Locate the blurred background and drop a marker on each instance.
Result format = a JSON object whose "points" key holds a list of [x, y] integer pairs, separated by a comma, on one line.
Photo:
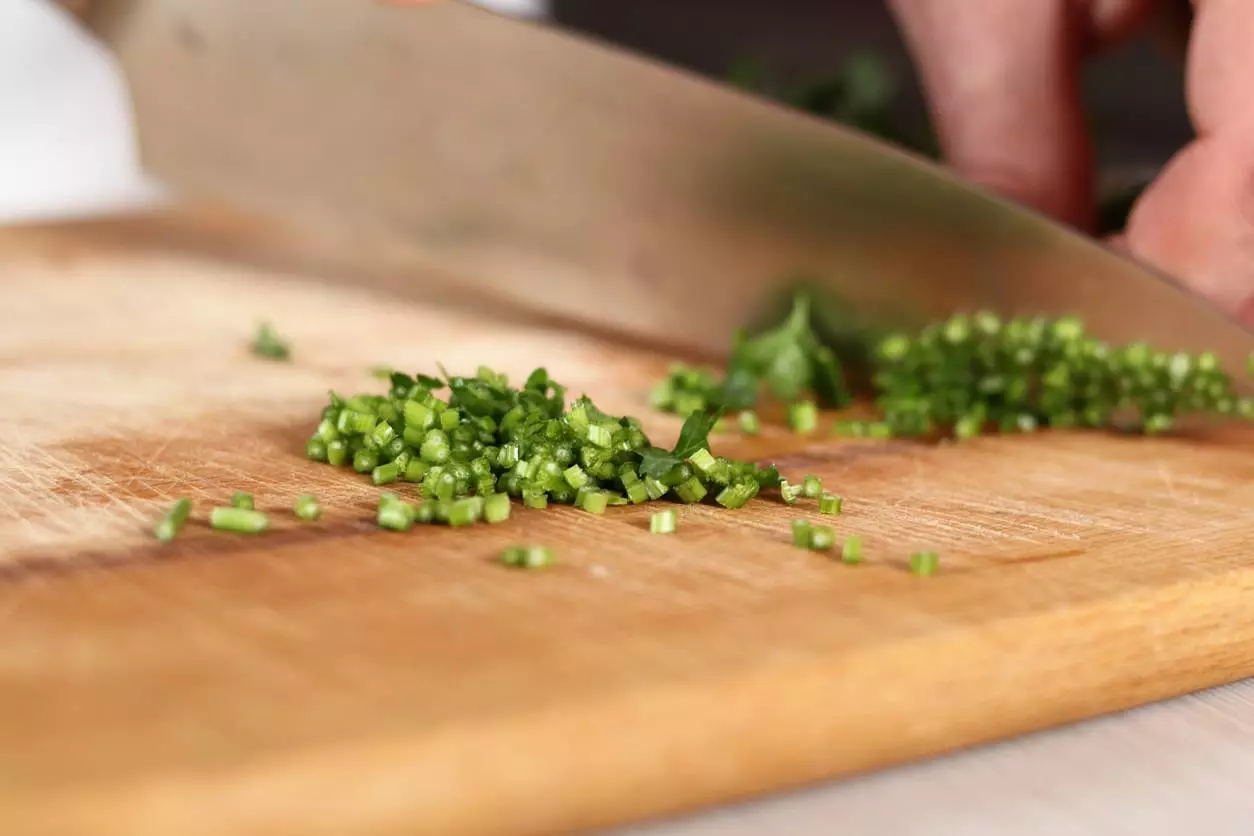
{"points": [[66, 149]]}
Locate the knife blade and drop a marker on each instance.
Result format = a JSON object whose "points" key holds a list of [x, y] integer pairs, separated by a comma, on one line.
{"points": [[467, 155]]}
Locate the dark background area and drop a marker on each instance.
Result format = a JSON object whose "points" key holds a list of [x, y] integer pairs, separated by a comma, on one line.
{"points": [[1134, 93]]}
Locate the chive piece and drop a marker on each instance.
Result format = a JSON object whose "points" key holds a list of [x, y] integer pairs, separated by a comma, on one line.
{"points": [[415, 470], [789, 492], [830, 503], [364, 461], [749, 422], [801, 533], [267, 344], [385, 474], [654, 488], [690, 490], [307, 507], [663, 522], [466, 511], [812, 487], [242, 499], [822, 537], [735, 496], [337, 452], [496, 508], [425, 513], [316, 450], [168, 526], [924, 563], [637, 493], [803, 417], [851, 551], [238, 520], [595, 502], [535, 499], [528, 557], [394, 514], [575, 476], [703, 461]]}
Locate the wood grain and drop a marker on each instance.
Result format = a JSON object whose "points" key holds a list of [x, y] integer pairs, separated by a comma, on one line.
{"points": [[332, 678]]}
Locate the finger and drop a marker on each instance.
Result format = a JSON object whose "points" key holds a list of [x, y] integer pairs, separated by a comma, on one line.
{"points": [[1001, 80], [1197, 219]]}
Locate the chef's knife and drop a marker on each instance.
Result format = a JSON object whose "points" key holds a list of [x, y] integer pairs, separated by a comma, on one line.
{"points": [[471, 155]]}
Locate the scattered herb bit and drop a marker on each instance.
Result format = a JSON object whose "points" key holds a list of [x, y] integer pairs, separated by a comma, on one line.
{"points": [[822, 537], [812, 487], [528, 557], [663, 522], [242, 499], [924, 563], [851, 550], [238, 520], [168, 526], [801, 533], [394, 513], [803, 417], [307, 507], [830, 503], [749, 422], [496, 508], [789, 493], [267, 344]]}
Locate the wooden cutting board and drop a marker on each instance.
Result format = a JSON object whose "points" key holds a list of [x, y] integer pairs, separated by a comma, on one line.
{"points": [[332, 678]]}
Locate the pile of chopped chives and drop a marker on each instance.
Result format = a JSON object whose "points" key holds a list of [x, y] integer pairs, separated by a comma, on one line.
{"points": [[485, 441], [963, 376]]}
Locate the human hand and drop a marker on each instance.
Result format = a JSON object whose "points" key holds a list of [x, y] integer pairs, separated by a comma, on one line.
{"points": [[1002, 82]]}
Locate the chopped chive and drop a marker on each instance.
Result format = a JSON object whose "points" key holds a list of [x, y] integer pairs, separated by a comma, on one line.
{"points": [[385, 474], [496, 508], [242, 499], [395, 515], [267, 344], [307, 507], [337, 452], [168, 526], [238, 520], [575, 476], [789, 492], [703, 461], [663, 522], [467, 511], [690, 490], [365, 461], [803, 416], [851, 551], [812, 487], [535, 499], [316, 449], [654, 488], [637, 493], [595, 502], [801, 533], [822, 537], [735, 496], [424, 513], [749, 422], [830, 503], [528, 557], [924, 563]]}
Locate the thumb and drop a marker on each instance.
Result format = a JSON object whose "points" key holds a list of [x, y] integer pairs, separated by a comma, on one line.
{"points": [[1001, 78]]}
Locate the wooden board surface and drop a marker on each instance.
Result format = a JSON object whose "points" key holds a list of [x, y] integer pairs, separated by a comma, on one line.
{"points": [[332, 678]]}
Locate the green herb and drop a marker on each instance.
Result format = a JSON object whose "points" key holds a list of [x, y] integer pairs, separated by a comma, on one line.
{"points": [[267, 344], [801, 533], [803, 417], [238, 520], [394, 514], [830, 503], [663, 522], [749, 422], [307, 507], [924, 563], [851, 550], [790, 493], [168, 526], [496, 508], [812, 487], [822, 537], [528, 557], [595, 502], [242, 499]]}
